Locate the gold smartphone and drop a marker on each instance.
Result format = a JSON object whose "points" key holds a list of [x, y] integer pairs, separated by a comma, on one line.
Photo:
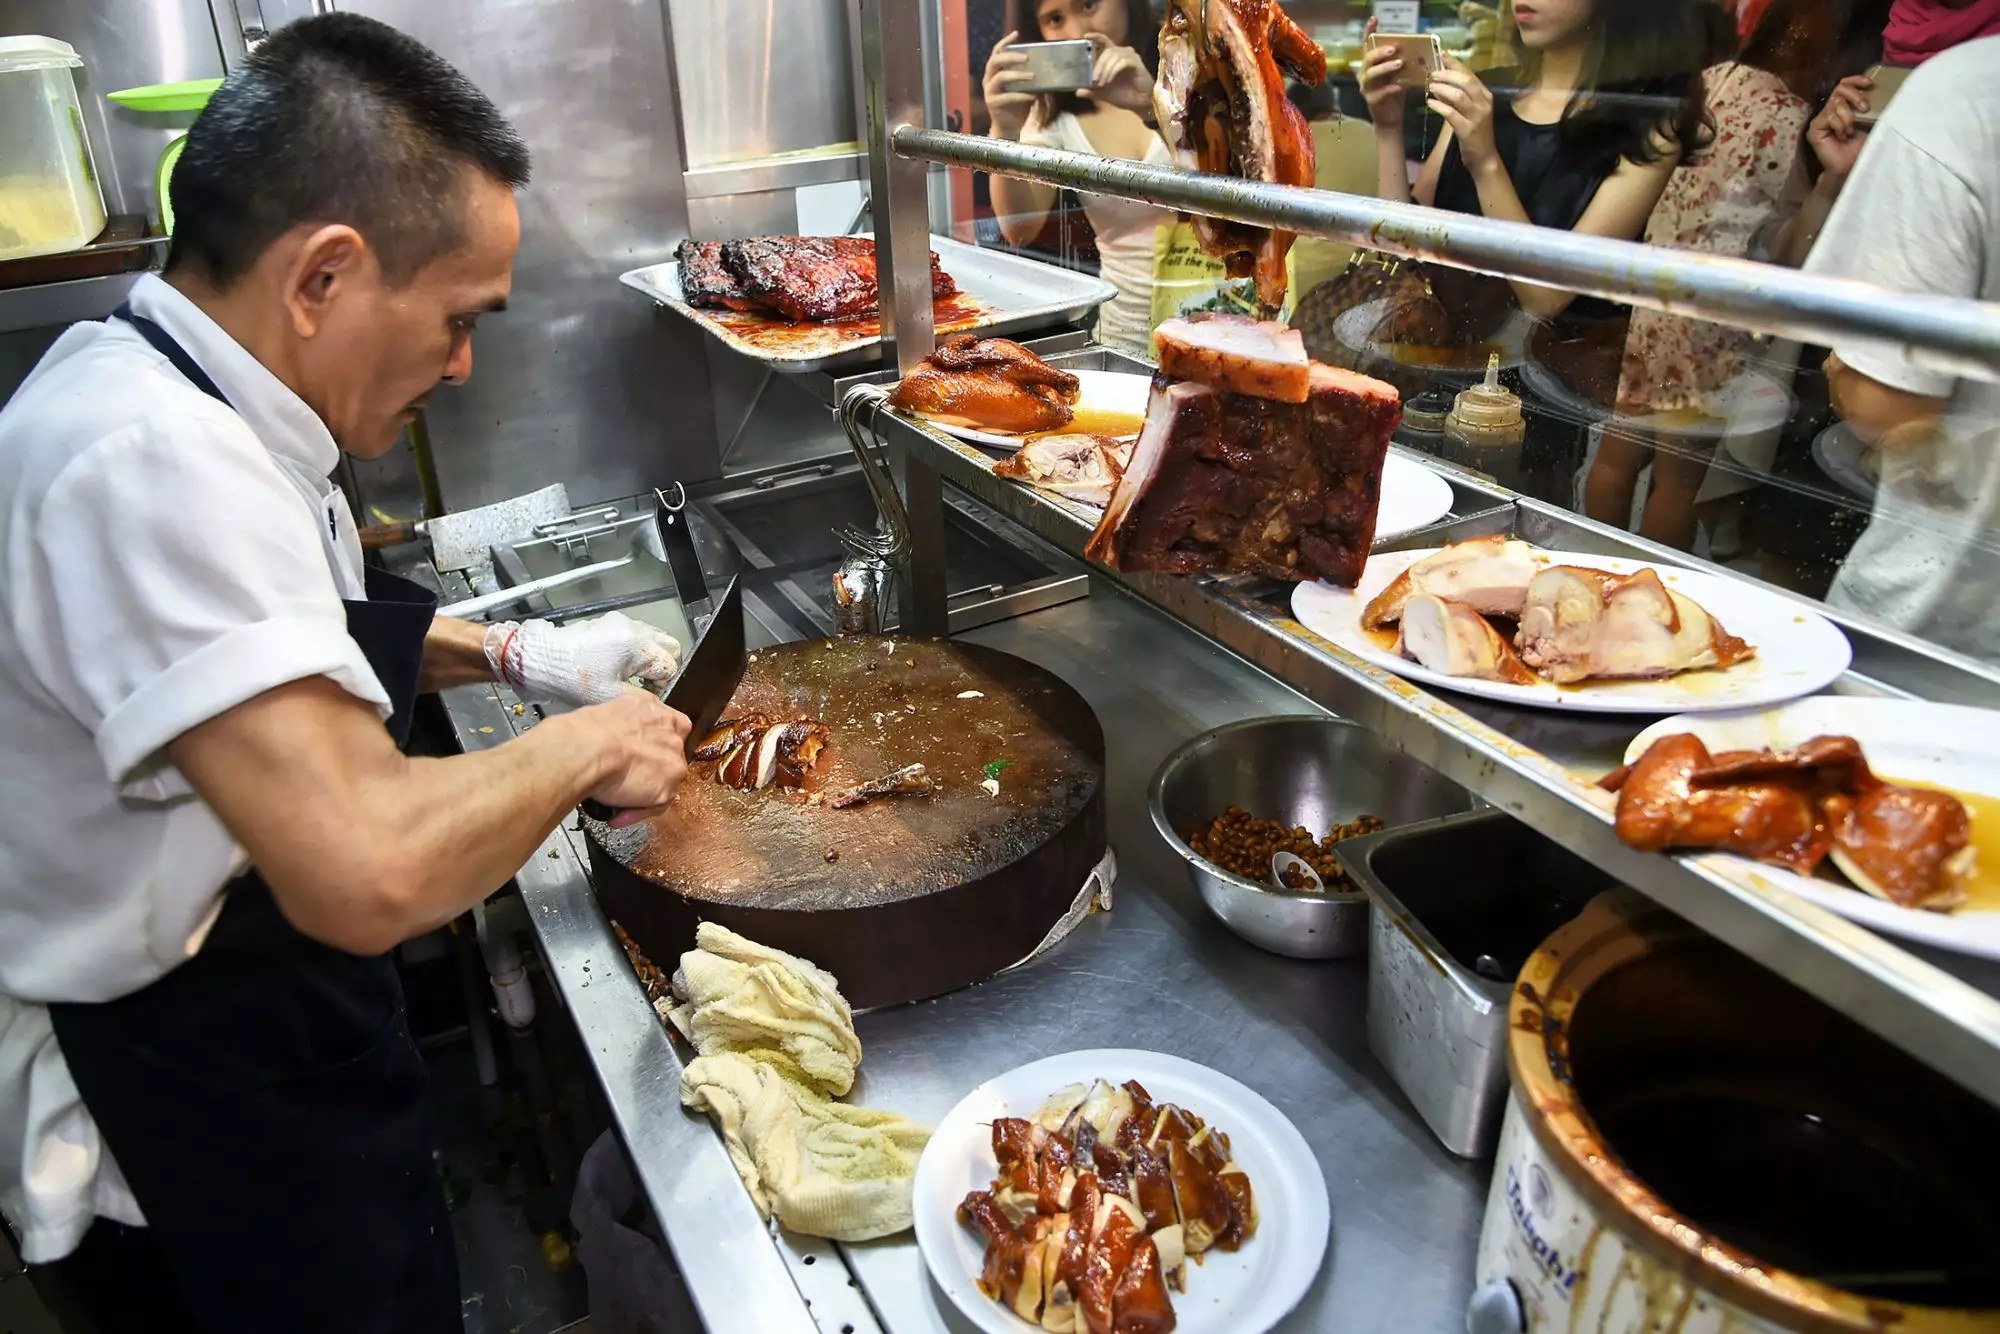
{"points": [[1888, 79], [1422, 54]]}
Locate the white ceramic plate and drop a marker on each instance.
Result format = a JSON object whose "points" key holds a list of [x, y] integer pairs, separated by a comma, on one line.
{"points": [[1356, 328], [1798, 650], [1114, 395], [1244, 1293], [1750, 403], [1412, 496], [1944, 745]]}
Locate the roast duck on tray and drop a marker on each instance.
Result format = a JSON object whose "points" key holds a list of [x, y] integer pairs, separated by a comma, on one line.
{"points": [[912, 815]]}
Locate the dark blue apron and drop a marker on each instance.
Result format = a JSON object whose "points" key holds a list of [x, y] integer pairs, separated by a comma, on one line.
{"points": [[265, 1101]]}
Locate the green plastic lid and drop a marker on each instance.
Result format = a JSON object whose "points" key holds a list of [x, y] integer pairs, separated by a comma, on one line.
{"points": [[190, 95]]}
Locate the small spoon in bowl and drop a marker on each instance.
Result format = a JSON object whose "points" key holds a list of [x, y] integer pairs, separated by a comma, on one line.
{"points": [[1284, 862]]}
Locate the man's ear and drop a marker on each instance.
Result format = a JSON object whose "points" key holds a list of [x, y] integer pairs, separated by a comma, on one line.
{"points": [[331, 262]]}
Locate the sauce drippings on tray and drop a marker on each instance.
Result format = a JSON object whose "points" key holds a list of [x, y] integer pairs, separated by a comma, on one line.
{"points": [[1103, 421], [774, 334]]}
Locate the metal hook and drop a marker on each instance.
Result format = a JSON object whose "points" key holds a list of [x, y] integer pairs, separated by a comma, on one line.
{"points": [[891, 540], [674, 506]]}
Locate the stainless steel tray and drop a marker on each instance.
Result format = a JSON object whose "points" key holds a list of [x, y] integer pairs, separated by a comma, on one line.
{"points": [[1002, 294]]}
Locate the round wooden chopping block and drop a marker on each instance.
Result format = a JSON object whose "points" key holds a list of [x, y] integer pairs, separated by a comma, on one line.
{"points": [[905, 897]]}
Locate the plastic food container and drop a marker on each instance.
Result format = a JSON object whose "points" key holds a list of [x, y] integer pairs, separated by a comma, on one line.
{"points": [[49, 197]]}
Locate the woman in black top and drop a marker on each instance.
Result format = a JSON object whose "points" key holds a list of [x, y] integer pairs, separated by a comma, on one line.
{"points": [[1583, 136]]}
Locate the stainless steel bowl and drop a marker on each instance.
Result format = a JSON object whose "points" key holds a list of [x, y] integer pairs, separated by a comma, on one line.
{"points": [[1311, 771]]}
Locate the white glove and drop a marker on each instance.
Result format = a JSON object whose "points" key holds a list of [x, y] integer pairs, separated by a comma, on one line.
{"points": [[580, 664]]}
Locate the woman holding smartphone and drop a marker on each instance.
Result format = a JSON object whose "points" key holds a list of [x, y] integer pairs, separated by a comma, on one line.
{"points": [[1111, 118], [1582, 136]]}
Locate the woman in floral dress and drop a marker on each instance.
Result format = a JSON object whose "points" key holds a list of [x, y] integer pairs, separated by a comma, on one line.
{"points": [[1673, 364]]}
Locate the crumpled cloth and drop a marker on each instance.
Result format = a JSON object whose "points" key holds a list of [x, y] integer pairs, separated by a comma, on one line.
{"points": [[777, 1046], [820, 1167], [735, 995]]}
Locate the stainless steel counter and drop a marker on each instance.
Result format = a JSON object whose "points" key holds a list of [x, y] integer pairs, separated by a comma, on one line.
{"points": [[1156, 972]]}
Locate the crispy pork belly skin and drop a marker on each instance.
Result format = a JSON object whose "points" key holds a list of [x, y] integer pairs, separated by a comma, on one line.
{"points": [[705, 283], [1236, 353], [1236, 483], [814, 277]]}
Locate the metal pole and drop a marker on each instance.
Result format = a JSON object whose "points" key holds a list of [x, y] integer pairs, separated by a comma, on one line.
{"points": [[1950, 334], [892, 58]]}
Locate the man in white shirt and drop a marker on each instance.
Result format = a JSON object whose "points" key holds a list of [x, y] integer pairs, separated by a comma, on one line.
{"points": [[1921, 213], [212, 1116]]}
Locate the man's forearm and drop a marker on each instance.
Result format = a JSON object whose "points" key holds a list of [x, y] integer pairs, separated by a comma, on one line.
{"points": [[454, 655]]}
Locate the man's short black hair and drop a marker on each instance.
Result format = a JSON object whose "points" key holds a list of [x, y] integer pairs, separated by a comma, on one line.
{"points": [[337, 119]]}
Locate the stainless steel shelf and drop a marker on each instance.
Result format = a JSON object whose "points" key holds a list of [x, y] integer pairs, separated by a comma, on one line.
{"points": [[1959, 336], [1539, 766], [46, 305]]}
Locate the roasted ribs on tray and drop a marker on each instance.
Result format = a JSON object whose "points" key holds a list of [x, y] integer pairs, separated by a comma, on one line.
{"points": [[802, 278]]}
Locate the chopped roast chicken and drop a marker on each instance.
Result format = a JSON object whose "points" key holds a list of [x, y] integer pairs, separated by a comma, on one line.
{"points": [[1223, 481], [1220, 104], [1235, 353], [1581, 623], [1910, 846], [752, 752], [1488, 574], [989, 384], [1097, 1203], [1452, 638], [798, 277], [1080, 467]]}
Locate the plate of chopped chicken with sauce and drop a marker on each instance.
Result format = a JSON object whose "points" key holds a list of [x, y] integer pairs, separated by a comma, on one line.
{"points": [[1498, 618], [1130, 1192], [1885, 811]]}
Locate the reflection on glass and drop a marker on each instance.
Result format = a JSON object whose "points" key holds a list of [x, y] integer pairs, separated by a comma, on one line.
{"points": [[1854, 138]]}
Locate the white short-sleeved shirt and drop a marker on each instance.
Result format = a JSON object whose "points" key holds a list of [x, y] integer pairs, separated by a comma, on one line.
{"points": [[1921, 213], [162, 559]]}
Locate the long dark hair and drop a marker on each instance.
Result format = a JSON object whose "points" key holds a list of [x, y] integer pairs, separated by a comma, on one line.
{"points": [[1142, 34], [1640, 95], [1814, 44]]}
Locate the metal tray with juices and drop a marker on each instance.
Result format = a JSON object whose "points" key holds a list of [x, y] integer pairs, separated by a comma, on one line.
{"points": [[998, 293]]}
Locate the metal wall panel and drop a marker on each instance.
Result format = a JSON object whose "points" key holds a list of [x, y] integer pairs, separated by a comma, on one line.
{"points": [[759, 77], [125, 44], [579, 381]]}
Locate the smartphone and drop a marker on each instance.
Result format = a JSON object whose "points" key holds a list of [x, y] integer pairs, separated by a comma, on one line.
{"points": [[1422, 53], [1888, 79], [1056, 67]]}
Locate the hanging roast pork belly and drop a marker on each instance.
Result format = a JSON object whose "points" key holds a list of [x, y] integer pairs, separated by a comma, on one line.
{"points": [[1221, 106], [1223, 480]]}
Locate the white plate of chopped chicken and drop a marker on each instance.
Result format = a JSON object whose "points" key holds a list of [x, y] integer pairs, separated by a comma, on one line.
{"points": [[1916, 867], [1128, 1191], [1498, 618]]}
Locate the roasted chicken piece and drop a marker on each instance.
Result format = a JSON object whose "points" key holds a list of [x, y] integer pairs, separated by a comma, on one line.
{"points": [[1911, 846], [1581, 623], [1452, 638], [989, 384], [1220, 104], [1488, 574], [814, 278], [752, 752], [1083, 468], [1661, 806], [1234, 353], [910, 780]]}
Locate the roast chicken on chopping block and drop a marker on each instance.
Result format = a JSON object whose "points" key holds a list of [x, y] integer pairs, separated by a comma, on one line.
{"points": [[1488, 574], [802, 278], [1096, 1205], [1454, 639], [1910, 846], [1222, 480], [1080, 467], [1580, 623], [989, 384], [753, 752], [1221, 107]]}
